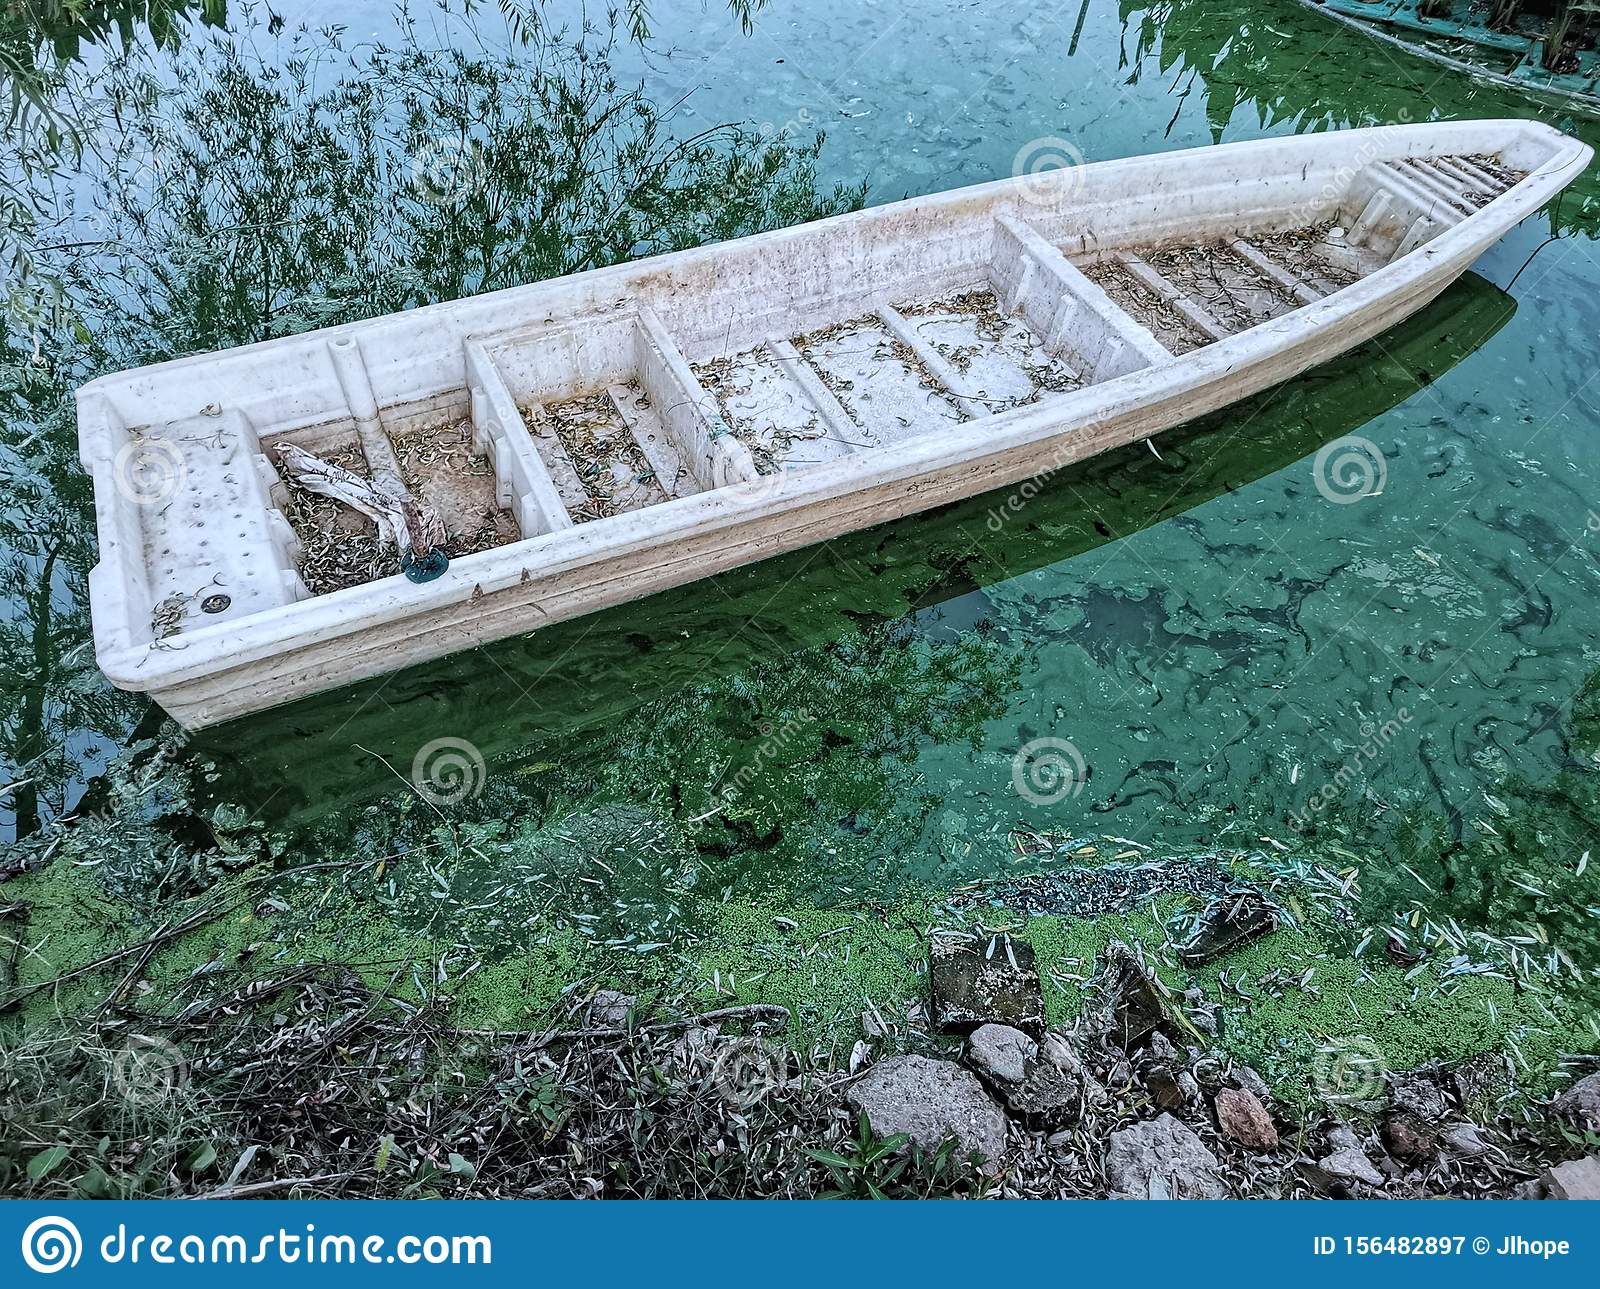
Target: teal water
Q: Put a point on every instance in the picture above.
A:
(1212, 636)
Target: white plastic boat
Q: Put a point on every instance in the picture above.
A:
(601, 437)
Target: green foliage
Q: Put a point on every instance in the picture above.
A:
(868, 1166)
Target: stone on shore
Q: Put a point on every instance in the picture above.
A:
(1228, 924)
(1141, 1004)
(1352, 1164)
(975, 980)
(1580, 1104)
(929, 1100)
(1241, 1116)
(1001, 1053)
(1162, 1157)
(1575, 1179)
(1465, 1140)
(1409, 1139)
(1040, 1092)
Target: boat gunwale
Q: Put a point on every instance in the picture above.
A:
(213, 651)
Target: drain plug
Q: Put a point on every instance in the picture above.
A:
(215, 603)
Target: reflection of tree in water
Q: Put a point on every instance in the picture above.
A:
(237, 202)
(1297, 71)
(797, 774)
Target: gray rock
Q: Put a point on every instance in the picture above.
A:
(1140, 1004)
(1047, 1098)
(1419, 1092)
(1352, 1164)
(1580, 1104)
(1162, 1155)
(1241, 1116)
(1058, 1052)
(1249, 1081)
(1043, 1093)
(1001, 1053)
(1530, 1190)
(1342, 1137)
(929, 1100)
(974, 981)
(1164, 1088)
(1575, 1179)
(1464, 1139)
(610, 1008)
(1227, 924)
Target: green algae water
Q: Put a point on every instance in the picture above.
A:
(1218, 641)
(1175, 651)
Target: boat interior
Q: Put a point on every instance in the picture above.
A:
(743, 370)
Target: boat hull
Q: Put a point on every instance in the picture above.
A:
(222, 672)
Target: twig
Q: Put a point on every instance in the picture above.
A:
(267, 1187)
(752, 1011)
